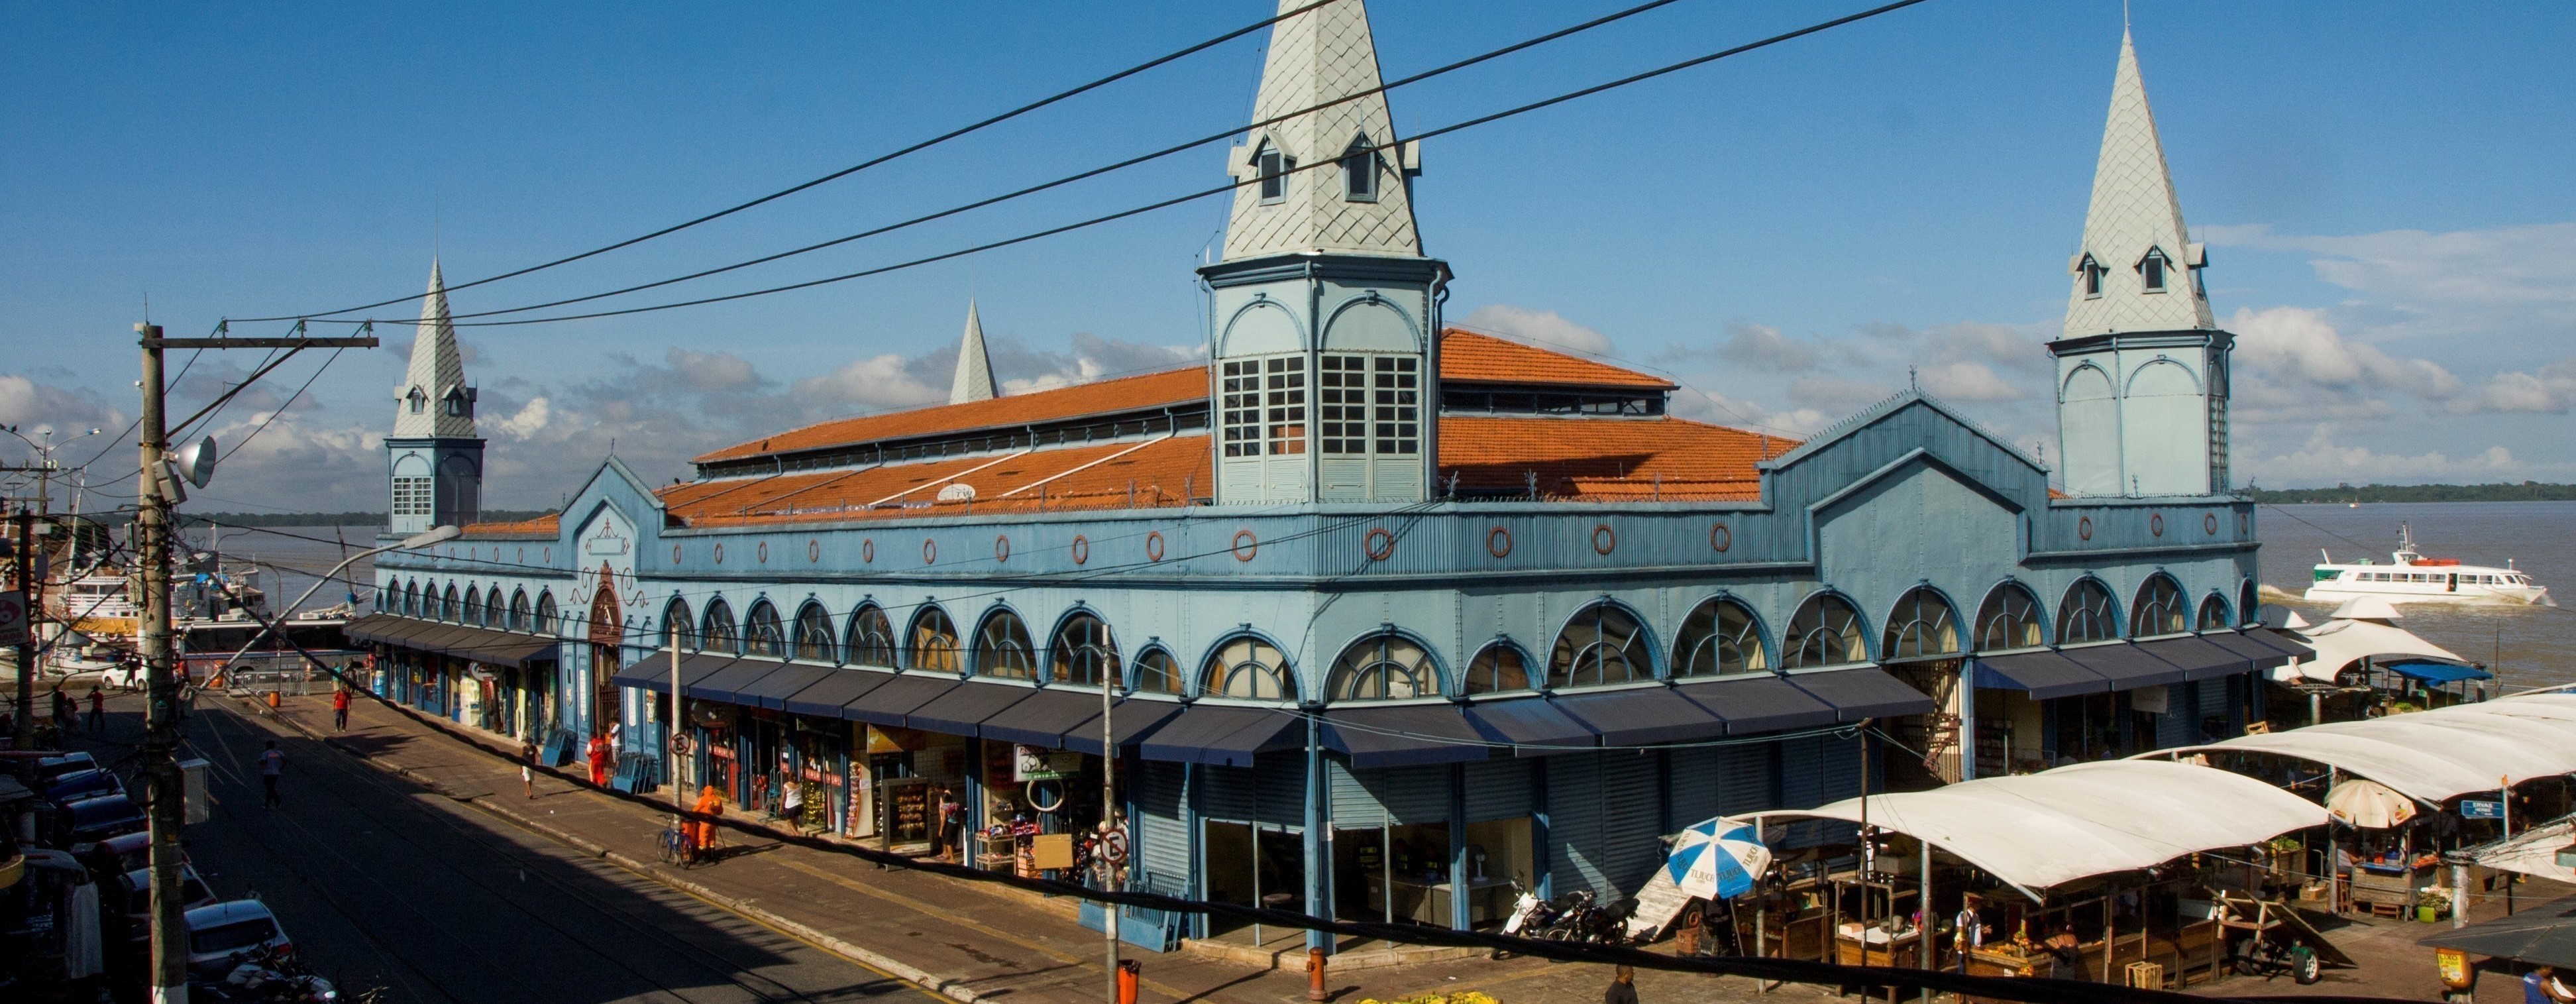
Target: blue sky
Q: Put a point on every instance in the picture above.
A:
(2385, 189)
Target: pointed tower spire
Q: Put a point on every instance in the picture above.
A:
(974, 368)
(434, 400)
(2136, 271)
(1359, 201)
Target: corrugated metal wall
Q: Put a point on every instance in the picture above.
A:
(1631, 818)
(1602, 821)
(1693, 783)
(1388, 795)
(1162, 828)
(1577, 848)
(1502, 789)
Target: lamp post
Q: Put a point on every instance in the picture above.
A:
(435, 535)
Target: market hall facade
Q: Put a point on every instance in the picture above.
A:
(1391, 614)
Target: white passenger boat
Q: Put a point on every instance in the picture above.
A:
(2414, 578)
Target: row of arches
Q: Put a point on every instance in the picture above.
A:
(480, 608)
(1606, 643)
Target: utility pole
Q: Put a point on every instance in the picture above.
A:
(1108, 820)
(154, 485)
(23, 732)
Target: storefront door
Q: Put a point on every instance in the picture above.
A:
(607, 639)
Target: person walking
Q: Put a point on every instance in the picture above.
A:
(791, 805)
(702, 831)
(528, 767)
(340, 708)
(271, 762)
(1623, 987)
(97, 709)
(65, 718)
(597, 754)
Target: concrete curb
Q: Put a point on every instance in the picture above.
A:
(950, 987)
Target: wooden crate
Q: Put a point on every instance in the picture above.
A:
(2147, 975)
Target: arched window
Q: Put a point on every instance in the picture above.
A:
(1825, 632)
(1921, 627)
(411, 598)
(1158, 673)
(1247, 667)
(547, 622)
(519, 610)
(1499, 668)
(494, 614)
(473, 605)
(1602, 645)
(2159, 608)
(931, 645)
(2008, 620)
(448, 609)
(676, 617)
(2213, 614)
(1081, 652)
(1002, 647)
(2249, 608)
(871, 637)
(717, 632)
(814, 634)
(1384, 667)
(1719, 637)
(762, 634)
(2088, 613)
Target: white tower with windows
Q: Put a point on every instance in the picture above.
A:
(435, 460)
(1325, 311)
(2142, 365)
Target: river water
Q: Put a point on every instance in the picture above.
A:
(2527, 646)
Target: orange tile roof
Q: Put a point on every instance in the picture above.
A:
(1093, 476)
(547, 525)
(1465, 356)
(1596, 459)
(1097, 398)
(1474, 357)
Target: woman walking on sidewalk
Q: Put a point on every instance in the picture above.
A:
(598, 756)
(528, 766)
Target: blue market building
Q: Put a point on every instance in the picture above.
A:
(1392, 614)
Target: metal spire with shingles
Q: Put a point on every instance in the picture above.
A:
(437, 372)
(1316, 57)
(2133, 213)
(974, 368)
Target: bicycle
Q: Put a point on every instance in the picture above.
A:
(675, 843)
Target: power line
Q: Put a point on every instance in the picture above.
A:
(1221, 189)
(1104, 169)
(852, 169)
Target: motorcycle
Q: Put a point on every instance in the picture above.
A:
(264, 975)
(1571, 913)
(1529, 914)
(1608, 925)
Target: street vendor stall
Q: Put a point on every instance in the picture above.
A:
(2103, 871)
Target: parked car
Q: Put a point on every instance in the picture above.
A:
(117, 855)
(53, 767)
(82, 784)
(131, 897)
(94, 819)
(217, 931)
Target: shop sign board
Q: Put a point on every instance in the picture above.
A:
(1037, 763)
(2474, 808)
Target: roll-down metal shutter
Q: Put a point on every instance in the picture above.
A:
(1694, 782)
(1576, 851)
(1500, 789)
(1631, 794)
(1162, 828)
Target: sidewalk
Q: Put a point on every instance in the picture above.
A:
(972, 943)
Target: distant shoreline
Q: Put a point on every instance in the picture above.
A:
(2528, 491)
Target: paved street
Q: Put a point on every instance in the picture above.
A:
(384, 884)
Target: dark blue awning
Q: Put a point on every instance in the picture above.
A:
(961, 709)
(836, 688)
(1227, 735)
(1533, 726)
(1044, 717)
(888, 703)
(1135, 718)
(1759, 702)
(2197, 657)
(2436, 672)
(1641, 716)
(1862, 692)
(1403, 734)
(727, 685)
(2043, 674)
(653, 672)
(772, 691)
(2124, 665)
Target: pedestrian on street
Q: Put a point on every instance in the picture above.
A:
(1623, 987)
(598, 756)
(65, 717)
(270, 763)
(340, 709)
(2065, 955)
(791, 804)
(952, 826)
(528, 766)
(97, 709)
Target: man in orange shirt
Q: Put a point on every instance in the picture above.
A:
(340, 709)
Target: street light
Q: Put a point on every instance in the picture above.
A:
(435, 535)
(45, 454)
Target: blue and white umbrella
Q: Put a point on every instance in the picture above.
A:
(1718, 859)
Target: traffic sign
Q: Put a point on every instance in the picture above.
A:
(13, 618)
(2471, 808)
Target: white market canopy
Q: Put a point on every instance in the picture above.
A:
(2433, 756)
(2340, 643)
(2036, 831)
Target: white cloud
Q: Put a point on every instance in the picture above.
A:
(872, 384)
(1762, 346)
(2552, 391)
(530, 420)
(1545, 328)
(2517, 281)
(2293, 365)
(1967, 381)
(2321, 460)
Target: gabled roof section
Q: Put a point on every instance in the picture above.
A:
(1893, 404)
(1578, 459)
(1104, 397)
(1475, 357)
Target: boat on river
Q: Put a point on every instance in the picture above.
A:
(2411, 577)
